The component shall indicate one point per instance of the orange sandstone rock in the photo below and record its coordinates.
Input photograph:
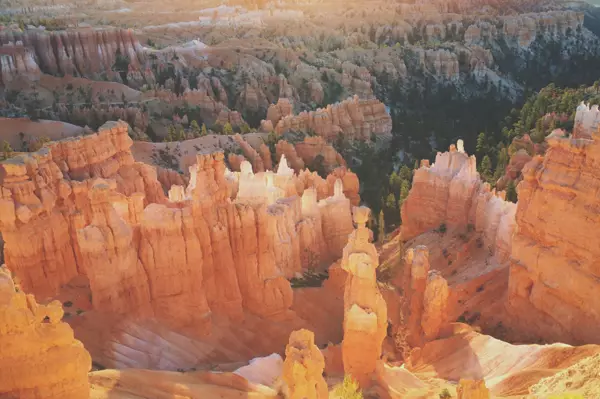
(40, 357)
(365, 311)
(303, 367)
(472, 389)
(450, 192)
(427, 295)
(353, 118)
(546, 247)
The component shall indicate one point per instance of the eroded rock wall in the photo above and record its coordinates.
(450, 192)
(554, 274)
(82, 206)
(79, 52)
(40, 356)
(353, 118)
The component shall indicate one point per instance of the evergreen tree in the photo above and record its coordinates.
(204, 130)
(405, 173)
(195, 128)
(390, 201)
(501, 164)
(404, 190)
(511, 192)
(171, 134)
(227, 129)
(7, 150)
(482, 145)
(485, 169)
(181, 134)
(395, 183)
(381, 225)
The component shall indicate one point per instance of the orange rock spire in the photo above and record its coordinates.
(365, 311)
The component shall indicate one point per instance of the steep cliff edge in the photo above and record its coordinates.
(82, 206)
(450, 192)
(553, 275)
(40, 357)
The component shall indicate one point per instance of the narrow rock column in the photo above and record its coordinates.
(365, 311)
(303, 367)
(426, 298)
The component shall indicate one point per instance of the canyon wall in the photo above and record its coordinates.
(554, 275)
(82, 206)
(353, 118)
(84, 52)
(450, 192)
(40, 356)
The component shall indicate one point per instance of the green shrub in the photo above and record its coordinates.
(348, 389)
(445, 394)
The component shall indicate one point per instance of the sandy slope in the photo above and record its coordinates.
(114, 384)
(508, 370)
(11, 127)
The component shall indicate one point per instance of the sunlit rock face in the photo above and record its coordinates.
(40, 357)
(365, 310)
(426, 293)
(82, 206)
(303, 367)
(553, 275)
(353, 118)
(450, 192)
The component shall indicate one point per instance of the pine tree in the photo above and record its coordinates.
(204, 130)
(481, 147)
(511, 192)
(485, 169)
(171, 135)
(416, 164)
(404, 190)
(227, 129)
(181, 134)
(245, 128)
(395, 182)
(381, 235)
(502, 163)
(195, 128)
(405, 173)
(7, 150)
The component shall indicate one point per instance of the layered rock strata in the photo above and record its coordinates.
(450, 192)
(83, 207)
(303, 367)
(553, 275)
(81, 52)
(365, 310)
(40, 357)
(352, 118)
